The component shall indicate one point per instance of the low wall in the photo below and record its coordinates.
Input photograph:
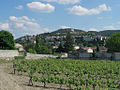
(99, 56)
(38, 56)
(116, 56)
(85, 56)
(73, 55)
(8, 54)
(104, 56)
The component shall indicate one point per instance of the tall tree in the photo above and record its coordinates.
(38, 44)
(60, 48)
(6, 40)
(113, 43)
(41, 48)
(68, 43)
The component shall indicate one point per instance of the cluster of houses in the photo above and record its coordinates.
(88, 53)
(27, 38)
(81, 52)
(56, 40)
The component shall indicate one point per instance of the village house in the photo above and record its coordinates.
(87, 49)
(20, 49)
(88, 53)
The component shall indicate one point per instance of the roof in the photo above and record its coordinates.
(17, 45)
(93, 48)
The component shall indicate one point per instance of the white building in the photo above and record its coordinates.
(90, 50)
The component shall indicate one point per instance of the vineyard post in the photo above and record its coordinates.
(14, 67)
(30, 81)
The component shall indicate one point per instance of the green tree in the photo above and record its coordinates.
(113, 43)
(30, 50)
(60, 48)
(68, 43)
(41, 48)
(29, 46)
(6, 40)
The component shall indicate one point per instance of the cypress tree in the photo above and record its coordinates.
(68, 43)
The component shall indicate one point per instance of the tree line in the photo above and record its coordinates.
(7, 43)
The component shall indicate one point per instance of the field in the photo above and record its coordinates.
(70, 74)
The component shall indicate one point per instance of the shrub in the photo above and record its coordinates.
(19, 57)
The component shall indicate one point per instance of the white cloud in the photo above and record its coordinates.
(20, 19)
(93, 29)
(118, 22)
(64, 27)
(46, 29)
(64, 1)
(13, 18)
(109, 28)
(19, 25)
(4, 26)
(20, 7)
(41, 7)
(79, 10)
(23, 23)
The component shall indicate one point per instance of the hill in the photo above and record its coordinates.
(59, 32)
(63, 32)
(108, 32)
(67, 30)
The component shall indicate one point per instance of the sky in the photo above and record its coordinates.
(31, 17)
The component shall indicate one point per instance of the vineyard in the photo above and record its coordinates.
(71, 74)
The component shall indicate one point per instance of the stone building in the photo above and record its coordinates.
(86, 54)
(20, 49)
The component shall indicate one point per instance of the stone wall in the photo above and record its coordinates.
(116, 56)
(104, 56)
(8, 54)
(85, 56)
(99, 56)
(73, 55)
(38, 56)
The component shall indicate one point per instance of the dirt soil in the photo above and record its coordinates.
(9, 81)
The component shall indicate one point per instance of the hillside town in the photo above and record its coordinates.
(83, 46)
(57, 39)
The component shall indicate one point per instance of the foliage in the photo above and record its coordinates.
(68, 43)
(60, 48)
(74, 74)
(113, 43)
(41, 48)
(94, 55)
(108, 32)
(29, 47)
(6, 40)
(30, 50)
(19, 57)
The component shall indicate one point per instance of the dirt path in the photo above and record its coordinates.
(7, 82)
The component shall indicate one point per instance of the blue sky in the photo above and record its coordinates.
(22, 17)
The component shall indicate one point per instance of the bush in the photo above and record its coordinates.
(19, 57)
(30, 50)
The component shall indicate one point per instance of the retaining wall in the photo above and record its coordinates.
(8, 54)
(99, 56)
